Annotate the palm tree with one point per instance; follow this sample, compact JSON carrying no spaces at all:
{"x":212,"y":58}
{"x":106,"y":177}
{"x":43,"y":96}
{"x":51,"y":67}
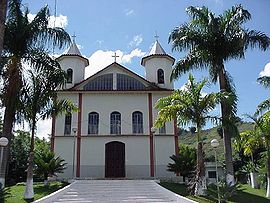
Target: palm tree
{"x":38,"y":98}
{"x":211,"y":41}
{"x":49,"y":165}
{"x":25,"y":42}
{"x":265,"y":105}
{"x":248,"y":142}
{"x":189,"y":106}
{"x":185,"y":162}
{"x":262,"y":128}
{"x":3,"y":12}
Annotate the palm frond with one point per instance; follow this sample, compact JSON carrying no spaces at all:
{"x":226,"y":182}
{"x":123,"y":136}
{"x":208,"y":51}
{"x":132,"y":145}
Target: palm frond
{"x":257,"y":39}
{"x":193,"y":61}
{"x":264,"y":81}
{"x":262,"y":107}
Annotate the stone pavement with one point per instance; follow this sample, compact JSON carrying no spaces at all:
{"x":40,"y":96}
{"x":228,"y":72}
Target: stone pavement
{"x":113,"y":191}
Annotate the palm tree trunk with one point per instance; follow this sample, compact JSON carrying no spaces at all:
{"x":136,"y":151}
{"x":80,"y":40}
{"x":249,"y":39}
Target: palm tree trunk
{"x":268,"y":168}
{"x":9,"y":117}
{"x":253,"y":175}
{"x":226,"y":136}
{"x":10,"y":101}
{"x":29,"y":189}
{"x":200,"y":170}
{"x":3,"y":12}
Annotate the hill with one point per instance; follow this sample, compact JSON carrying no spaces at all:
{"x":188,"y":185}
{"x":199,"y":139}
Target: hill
{"x":186,"y":137}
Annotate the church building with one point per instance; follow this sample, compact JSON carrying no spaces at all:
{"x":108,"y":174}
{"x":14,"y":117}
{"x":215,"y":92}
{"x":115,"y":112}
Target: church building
{"x":112,"y":133}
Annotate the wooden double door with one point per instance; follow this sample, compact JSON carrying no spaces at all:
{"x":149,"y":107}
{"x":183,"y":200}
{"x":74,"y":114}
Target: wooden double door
{"x":115,"y":160}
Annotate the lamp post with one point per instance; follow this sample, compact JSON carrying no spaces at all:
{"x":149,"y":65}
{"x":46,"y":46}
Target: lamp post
{"x":153,"y":131}
{"x":215,"y":144}
{"x":74,"y":130}
{"x":3,"y":143}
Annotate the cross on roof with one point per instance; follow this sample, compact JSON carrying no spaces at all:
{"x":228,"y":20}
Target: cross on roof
{"x":74,"y":37}
{"x":115,"y":56}
{"x":156,"y":36}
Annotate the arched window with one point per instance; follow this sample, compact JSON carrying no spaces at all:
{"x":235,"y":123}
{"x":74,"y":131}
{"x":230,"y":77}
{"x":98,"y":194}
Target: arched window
{"x":93,"y":121}
{"x":69,"y":75}
{"x":115,"y":123}
{"x":162,"y":130}
{"x":160,"y":76}
{"x":67,"y":129}
{"x":137,"y":122}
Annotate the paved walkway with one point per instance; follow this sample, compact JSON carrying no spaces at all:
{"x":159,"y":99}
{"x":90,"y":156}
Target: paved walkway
{"x":113,"y":191}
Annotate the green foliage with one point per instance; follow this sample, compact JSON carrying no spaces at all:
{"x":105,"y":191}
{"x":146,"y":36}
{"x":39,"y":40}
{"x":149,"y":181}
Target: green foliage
{"x":19,"y":152}
{"x":212,"y":39}
{"x":244,"y":195}
{"x":248,"y":142}
{"x":185,"y":162}
{"x":48,"y":164}
{"x":188,"y":106}
{"x":226,"y":191}
{"x":17,"y":191}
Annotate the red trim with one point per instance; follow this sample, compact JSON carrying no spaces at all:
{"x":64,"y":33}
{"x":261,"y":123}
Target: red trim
{"x":78,"y":164}
{"x":150,"y":115}
{"x":53,"y":134}
{"x":176,"y":144}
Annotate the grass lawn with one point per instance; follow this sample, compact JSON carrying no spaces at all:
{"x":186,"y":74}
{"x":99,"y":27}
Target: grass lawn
{"x":246,"y":195}
{"x":15,"y":193}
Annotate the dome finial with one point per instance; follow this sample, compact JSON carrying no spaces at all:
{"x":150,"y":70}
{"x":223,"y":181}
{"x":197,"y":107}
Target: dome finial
{"x":73,"y":38}
{"x":156,"y":36}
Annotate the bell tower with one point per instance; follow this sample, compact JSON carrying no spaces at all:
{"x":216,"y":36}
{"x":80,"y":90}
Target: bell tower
{"x":158,"y":66}
{"x":73,"y":63}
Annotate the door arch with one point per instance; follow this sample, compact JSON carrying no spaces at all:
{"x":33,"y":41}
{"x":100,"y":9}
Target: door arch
{"x":114,"y":159}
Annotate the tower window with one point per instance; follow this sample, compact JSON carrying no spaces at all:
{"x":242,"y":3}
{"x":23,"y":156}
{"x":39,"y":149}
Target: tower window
{"x":93,"y":121}
{"x":160,"y":76}
{"x":69,"y":75}
{"x":115,"y":123}
{"x":67,"y":130}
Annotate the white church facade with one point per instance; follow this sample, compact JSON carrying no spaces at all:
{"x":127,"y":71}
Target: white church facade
{"x":112,"y":134}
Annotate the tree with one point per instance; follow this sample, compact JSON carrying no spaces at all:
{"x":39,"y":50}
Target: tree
{"x":3,"y":12}
{"x":248,"y":142}
{"x":185,"y":162}
{"x":19,"y":152}
{"x":38,"y":98}
{"x":265,"y":105}
{"x":48,"y":164}
{"x":190,"y":107}
{"x":25,"y":42}
{"x":262,"y":128}
{"x":211,"y":41}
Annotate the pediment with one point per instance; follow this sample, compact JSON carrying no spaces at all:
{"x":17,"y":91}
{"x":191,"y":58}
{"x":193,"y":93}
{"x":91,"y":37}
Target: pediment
{"x":115,"y":77}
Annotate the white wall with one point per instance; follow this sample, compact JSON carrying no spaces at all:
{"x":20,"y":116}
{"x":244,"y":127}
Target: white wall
{"x":105,"y":104}
{"x":77,"y":64}
{"x":137,"y":146}
{"x":64,"y":147}
{"x":60,"y":120}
